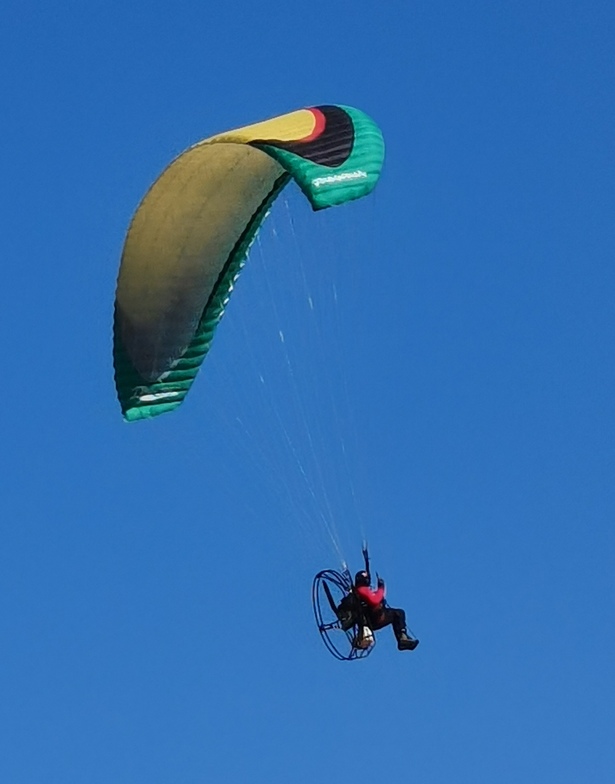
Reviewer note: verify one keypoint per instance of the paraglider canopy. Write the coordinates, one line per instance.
(190, 235)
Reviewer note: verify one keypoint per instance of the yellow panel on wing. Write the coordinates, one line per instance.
(288, 128)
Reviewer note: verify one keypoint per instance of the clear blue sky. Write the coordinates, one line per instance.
(154, 578)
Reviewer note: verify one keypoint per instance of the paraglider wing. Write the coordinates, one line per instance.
(190, 236)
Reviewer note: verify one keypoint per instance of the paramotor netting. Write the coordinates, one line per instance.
(340, 617)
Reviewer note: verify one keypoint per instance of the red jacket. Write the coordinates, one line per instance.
(373, 599)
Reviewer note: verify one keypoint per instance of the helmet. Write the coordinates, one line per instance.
(361, 578)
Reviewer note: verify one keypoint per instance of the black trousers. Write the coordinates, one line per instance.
(390, 616)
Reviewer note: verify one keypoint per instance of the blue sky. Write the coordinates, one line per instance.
(155, 577)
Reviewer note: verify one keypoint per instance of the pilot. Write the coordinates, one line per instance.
(379, 614)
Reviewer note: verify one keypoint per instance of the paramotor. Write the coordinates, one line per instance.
(340, 617)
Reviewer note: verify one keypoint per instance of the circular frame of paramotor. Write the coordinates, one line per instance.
(349, 640)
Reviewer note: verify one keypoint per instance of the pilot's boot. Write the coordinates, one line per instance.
(405, 643)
